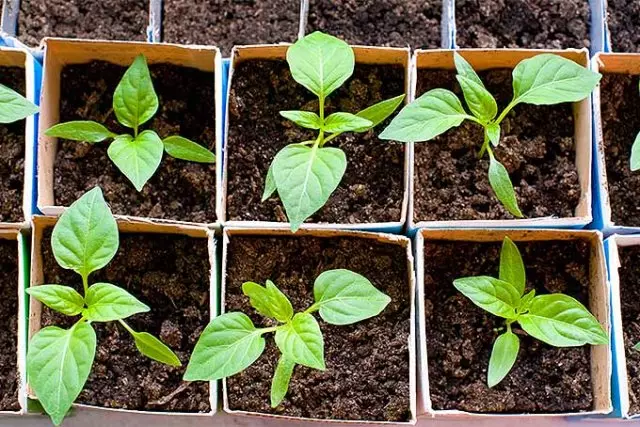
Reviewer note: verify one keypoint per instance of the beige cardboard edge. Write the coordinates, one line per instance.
(40, 223)
(380, 237)
(483, 59)
(601, 365)
(59, 52)
(363, 54)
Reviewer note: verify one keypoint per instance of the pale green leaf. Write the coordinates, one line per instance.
(269, 184)
(345, 122)
(511, 265)
(526, 300)
(134, 100)
(305, 119)
(13, 106)
(182, 148)
(81, 130)
(480, 102)
(377, 113)
(493, 133)
(107, 302)
(155, 349)
(635, 154)
(281, 379)
(503, 357)
(268, 301)
(496, 296)
(502, 186)
(464, 69)
(138, 159)
(301, 341)
(63, 299)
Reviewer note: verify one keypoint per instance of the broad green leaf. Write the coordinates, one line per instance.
(377, 113)
(321, 63)
(13, 106)
(305, 119)
(432, 114)
(134, 100)
(635, 154)
(185, 149)
(493, 133)
(80, 130)
(526, 300)
(345, 122)
(58, 365)
(155, 349)
(228, 345)
(63, 299)
(281, 379)
(548, 79)
(511, 265)
(561, 321)
(85, 237)
(306, 177)
(138, 159)
(480, 102)
(496, 296)
(107, 302)
(503, 357)
(269, 184)
(344, 297)
(268, 301)
(502, 186)
(301, 341)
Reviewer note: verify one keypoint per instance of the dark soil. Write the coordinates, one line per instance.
(396, 23)
(12, 159)
(226, 23)
(9, 381)
(537, 148)
(623, 16)
(620, 125)
(87, 19)
(460, 335)
(373, 185)
(367, 375)
(629, 294)
(179, 190)
(171, 275)
(533, 24)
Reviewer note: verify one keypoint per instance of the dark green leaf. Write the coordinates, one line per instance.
(134, 100)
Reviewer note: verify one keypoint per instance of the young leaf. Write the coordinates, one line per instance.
(503, 357)
(134, 100)
(464, 69)
(228, 345)
(62, 299)
(107, 302)
(562, 321)
(85, 237)
(511, 265)
(496, 296)
(81, 130)
(493, 133)
(305, 119)
(345, 122)
(269, 184)
(182, 148)
(139, 158)
(58, 365)
(301, 341)
(377, 113)
(155, 349)
(280, 381)
(502, 186)
(526, 300)
(480, 101)
(305, 178)
(13, 106)
(344, 297)
(635, 154)
(268, 301)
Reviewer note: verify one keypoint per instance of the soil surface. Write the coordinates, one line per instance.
(87, 19)
(620, 125)
(372, 188)
(12, 148)
(226, 23)
(629, 294)
(171, 275)
(367, 375)
(623, 16)
(460, 335)
(9, 381)
(395, 23)
(537, 148)
(179, 190)
(534, 24)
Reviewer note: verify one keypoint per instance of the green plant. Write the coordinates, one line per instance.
(307, 173)
(635, 156)
(13, 106)
(544, 79)
(556, 319)
(84, 240)
(137, 156)
(231, 342)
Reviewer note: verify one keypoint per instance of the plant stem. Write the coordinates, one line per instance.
(505, 112)
(485, 145)
(321, 135)
(85, 284)
(315, 307)
(127, 327)
(267, 330)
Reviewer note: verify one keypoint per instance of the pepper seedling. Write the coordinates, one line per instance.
(305, 174)
(137, 156)
(635, 157)
(556, 319)
(231, 342)
(84, 240)
(544, 79)
(13, 106)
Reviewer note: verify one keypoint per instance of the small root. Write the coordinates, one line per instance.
(163, 401)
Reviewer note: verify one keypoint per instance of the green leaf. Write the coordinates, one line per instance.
(464, 69)
(58, 365)
(635, 154)
(503, 357)
(511, 265)
(301, 341)
(13, 106)
(496, 296)
(306, 177)
(134, 100)
(63, 299)
(502, 186)
(305, 119)
(85, 237)
(480, 102)
(344, 297)
(377, 113)
(80, 130)
(184, 149)
(155, 349)
(228, 345)
(281, 379)
(269, 184)
(432, 114)
(107, 302)
(345, 122)
(526, 300)
(138, 159)
(548, 79)
(321, 63)
(637, 346)
(561, 321)
(268, 301)
(493, 133)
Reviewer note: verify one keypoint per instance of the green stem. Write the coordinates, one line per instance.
(315, 307)
(267, 330)
(85, 284)
(127, 327)
(330, 137)
(485, 145)
(505, 111)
